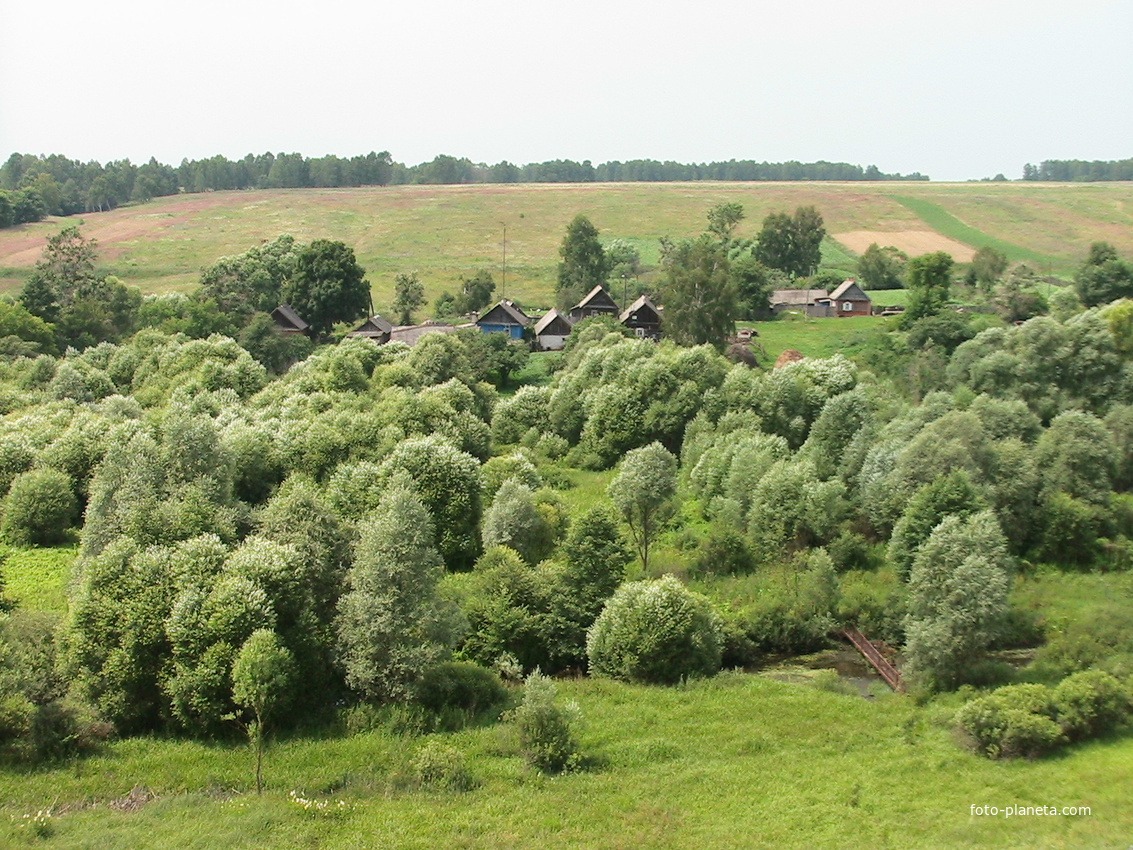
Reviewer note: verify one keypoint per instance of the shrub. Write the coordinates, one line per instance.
(441, 767)
(1090, 703)
(655, 631)
(546, 739)
(39, 509)
(459, 684)
(1012, 721)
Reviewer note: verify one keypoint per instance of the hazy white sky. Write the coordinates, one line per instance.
(958, 90)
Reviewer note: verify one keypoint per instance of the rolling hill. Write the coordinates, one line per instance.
(443, 232)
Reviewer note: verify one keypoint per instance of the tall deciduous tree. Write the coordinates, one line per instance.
(329, 286)
(389, 622)
(882, 268)
(988, 265)
(408, 295)
(930, 282)
(643, 492)
(957, 596)
(584, 264)
(792, 244)
(700, 295)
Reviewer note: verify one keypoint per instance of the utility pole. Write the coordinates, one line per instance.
(503, 283)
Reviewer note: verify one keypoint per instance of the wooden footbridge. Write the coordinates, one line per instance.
(887, 671)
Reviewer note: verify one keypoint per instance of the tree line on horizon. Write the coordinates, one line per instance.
(34, 186)
(1079, 170)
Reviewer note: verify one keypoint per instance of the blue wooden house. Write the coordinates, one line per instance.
(504, 317)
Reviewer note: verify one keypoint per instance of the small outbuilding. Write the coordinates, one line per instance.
(643, 317)
(597, 302)
(504, 317)
(552, 330)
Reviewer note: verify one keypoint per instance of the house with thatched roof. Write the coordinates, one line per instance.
(290, 323)
(504, 317)
(552, 330)
(597, 302)
(375, 328)
(643, 317)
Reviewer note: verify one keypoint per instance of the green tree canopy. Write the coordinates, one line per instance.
(643, 492)
(792, 244)
(584, 264)
(699, 293)
(329, 286)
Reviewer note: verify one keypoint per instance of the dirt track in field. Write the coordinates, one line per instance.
(912, 242)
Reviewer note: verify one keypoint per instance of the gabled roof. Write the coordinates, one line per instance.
(800, 297)
(504, 310)
(597, 299)
(848, 290)
(641, 303)
(286, 317)
(548, 323)
(373, 325)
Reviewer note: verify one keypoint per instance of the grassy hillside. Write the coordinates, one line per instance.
(444, 232)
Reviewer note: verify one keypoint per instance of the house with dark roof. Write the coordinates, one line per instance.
(375, 328)
(643, 317)
(552, 330)
(848, 299)
(596, 303)
(504, 317)
(289, 323)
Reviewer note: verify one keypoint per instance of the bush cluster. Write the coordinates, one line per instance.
(1031, 720)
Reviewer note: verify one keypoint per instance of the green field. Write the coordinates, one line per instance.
(735, 761)
(444, 232)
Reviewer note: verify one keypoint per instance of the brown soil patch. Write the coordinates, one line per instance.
(791, 355)
(912, 242)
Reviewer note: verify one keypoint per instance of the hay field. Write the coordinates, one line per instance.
(443, 232)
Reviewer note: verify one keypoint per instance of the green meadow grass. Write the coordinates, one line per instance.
(37, 578)
(735, 761)
(944, 222)
(819, 337)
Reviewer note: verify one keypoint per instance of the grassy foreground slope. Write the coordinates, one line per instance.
(447, 231)
(736, 761)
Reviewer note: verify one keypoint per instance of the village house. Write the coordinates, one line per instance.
(849, 300)
(375, 328)
(289, 323)
(551, 331)
(596, 303)
(643, 317)
(504, 317)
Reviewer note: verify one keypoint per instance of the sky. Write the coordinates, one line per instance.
(957, 90)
